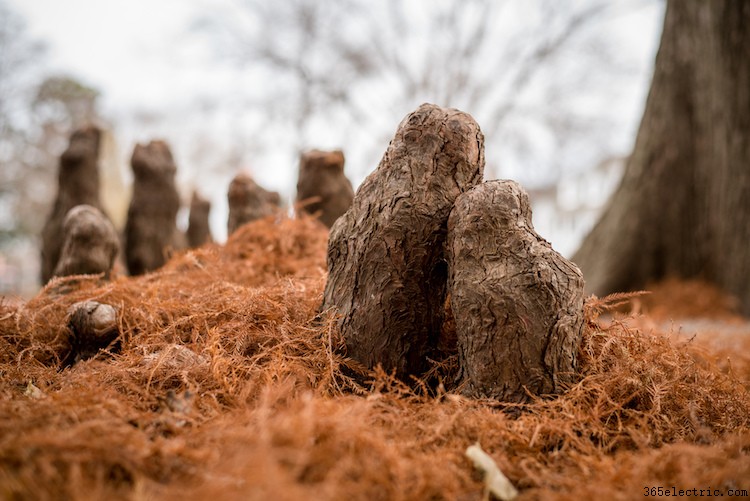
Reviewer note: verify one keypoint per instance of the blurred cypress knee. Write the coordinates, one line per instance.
(78, 183)
(198, 232)
(90, 243)
(92, 327)
(387, 272)
(151, 230)
(249, 201)
(323, 186)
(518, 304)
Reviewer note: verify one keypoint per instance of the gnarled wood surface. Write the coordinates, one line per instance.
(387, 273)
(518, 304)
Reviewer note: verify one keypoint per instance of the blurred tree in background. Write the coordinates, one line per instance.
(19, 69)
(62, 104)
(37, 114)
(683, 207)
(359, 66)
(59, 105)
(281, 77)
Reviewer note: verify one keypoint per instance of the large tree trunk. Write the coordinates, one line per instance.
(683, 207)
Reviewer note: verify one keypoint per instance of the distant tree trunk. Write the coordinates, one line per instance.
(683, 207)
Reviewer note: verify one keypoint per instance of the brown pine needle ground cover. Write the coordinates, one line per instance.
(227, 386)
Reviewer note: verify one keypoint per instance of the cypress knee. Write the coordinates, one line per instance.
(387, 272)
(198, 232)
(78, 183)
(518, 304)
(322, 186)
(249, 201)
(92, 327)
(90, 243)
(151, 228)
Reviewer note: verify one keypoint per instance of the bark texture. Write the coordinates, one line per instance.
(198, 232)
(249, 201)
(387, 272)
(90, 243)
(322, 187)
(78, 183)
(151, 229)
(683, 207)
(92, 327)
(517, 304)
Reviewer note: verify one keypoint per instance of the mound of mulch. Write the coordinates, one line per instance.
(676, 298)
(694, 311)
(226, 384)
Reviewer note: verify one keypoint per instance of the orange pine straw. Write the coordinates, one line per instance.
(230, 386)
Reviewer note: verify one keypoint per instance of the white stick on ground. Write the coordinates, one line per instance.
(495, 482)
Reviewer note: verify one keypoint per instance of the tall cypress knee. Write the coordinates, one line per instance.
(151, 228)
(518, 304)
(198, 231)
(78, 183)
(387, 272)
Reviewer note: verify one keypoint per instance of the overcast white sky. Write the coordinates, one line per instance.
(123, 47)
(139, 54)
(142, 58)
